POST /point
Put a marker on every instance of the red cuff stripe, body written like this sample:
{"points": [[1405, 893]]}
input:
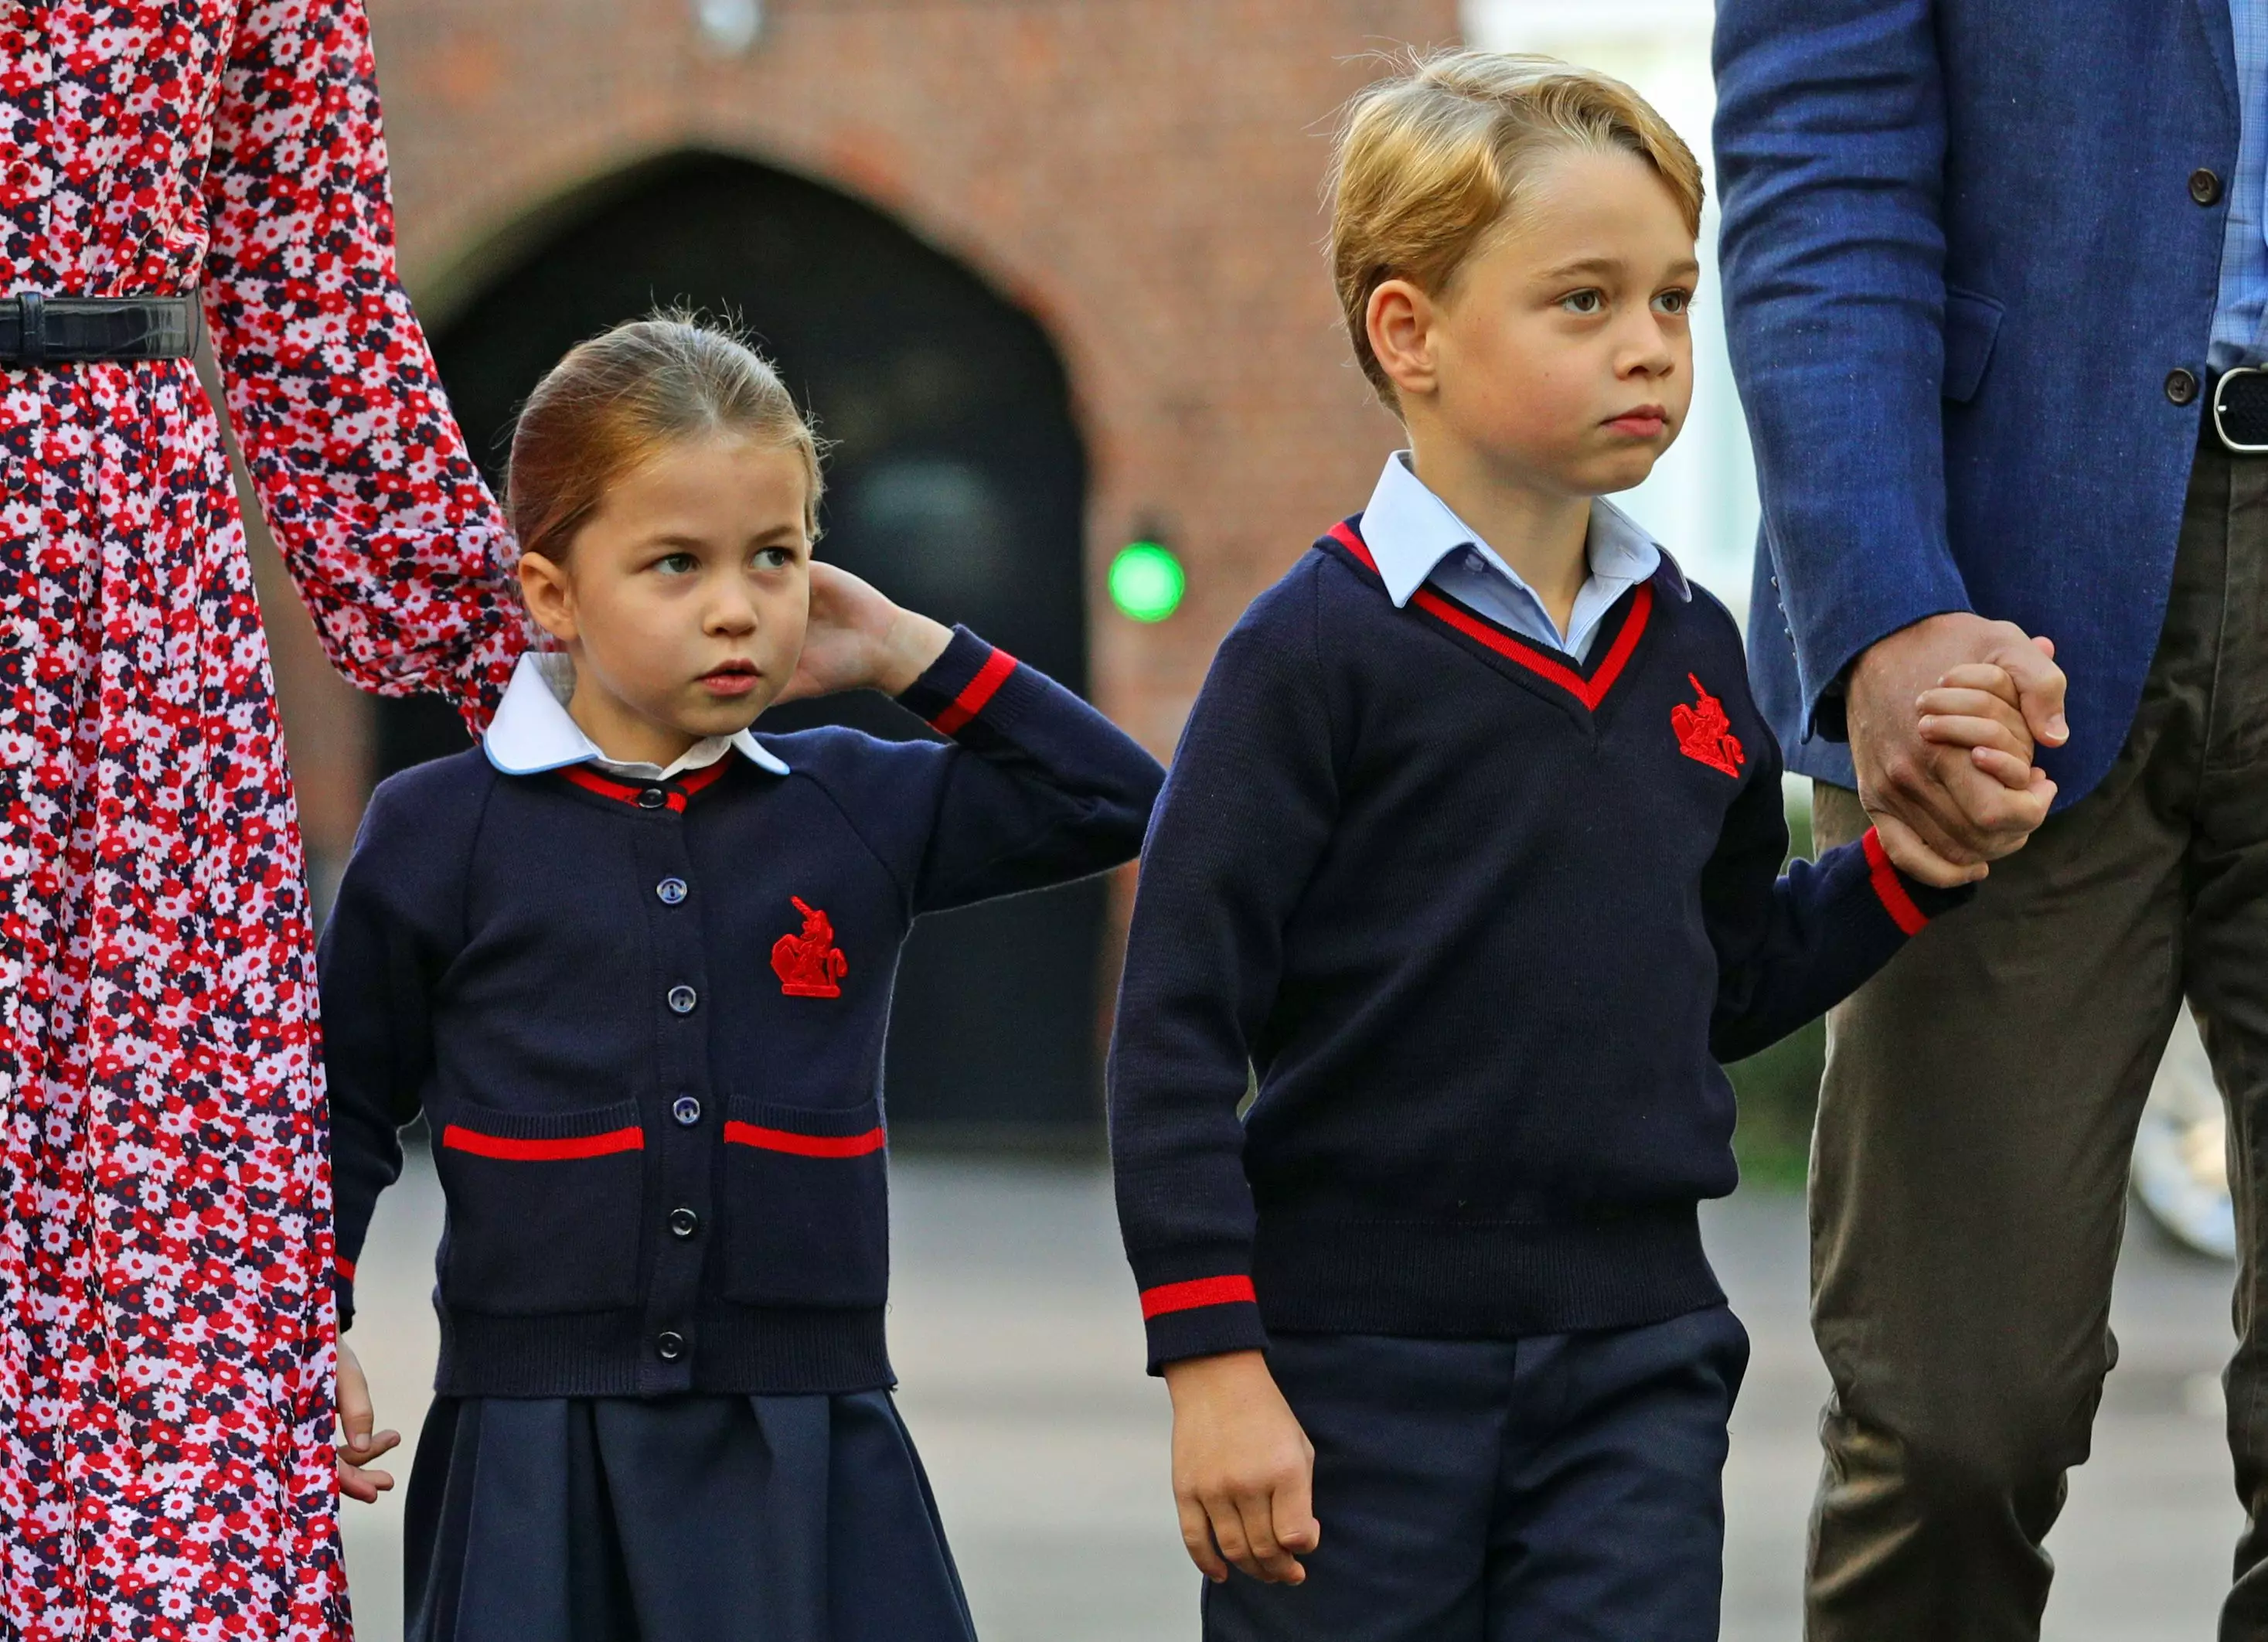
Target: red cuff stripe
{"points": [[345, 1266], [1172, 1297], [457, 1138], [977, 693], [1888, 890], [756, 1135]]}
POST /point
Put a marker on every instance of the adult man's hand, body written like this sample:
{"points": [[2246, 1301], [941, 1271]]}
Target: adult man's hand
{"points": [[1941, 817]]}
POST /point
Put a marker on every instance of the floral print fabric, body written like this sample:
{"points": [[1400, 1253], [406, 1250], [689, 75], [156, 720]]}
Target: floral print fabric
{"points": [[166, 1320]]}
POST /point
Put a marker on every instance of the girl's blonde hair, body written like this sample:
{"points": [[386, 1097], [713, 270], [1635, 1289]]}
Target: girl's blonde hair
{"points": [[618, 401], [1430, 163]]}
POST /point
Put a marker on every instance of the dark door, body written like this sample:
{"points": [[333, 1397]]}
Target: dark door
{"points": [[956, 484]]}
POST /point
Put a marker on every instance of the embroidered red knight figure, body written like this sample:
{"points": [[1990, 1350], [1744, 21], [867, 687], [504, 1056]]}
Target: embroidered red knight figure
{"points": [[809, 964], [1704, 734]]}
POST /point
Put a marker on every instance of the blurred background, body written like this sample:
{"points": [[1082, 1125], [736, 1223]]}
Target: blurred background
{"points": [[1050, 274]]}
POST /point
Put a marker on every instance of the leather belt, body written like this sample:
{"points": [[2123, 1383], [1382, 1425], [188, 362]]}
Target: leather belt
{"points": [[42, 330], [2239, 412]]}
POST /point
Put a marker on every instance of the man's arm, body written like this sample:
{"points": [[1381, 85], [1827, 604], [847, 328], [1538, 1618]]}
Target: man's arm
{"points": [[1831, 145]]}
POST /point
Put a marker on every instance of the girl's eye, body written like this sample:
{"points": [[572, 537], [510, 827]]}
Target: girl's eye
{"points": [[774, 558], [1584, 301], [677, 564], [1673, 301]]}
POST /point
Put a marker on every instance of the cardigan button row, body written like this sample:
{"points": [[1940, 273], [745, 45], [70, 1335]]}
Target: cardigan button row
{"points": [[682, 999], [669, 1345], [683, 1222], [652, 799], [671, 891], [685, 1110]]}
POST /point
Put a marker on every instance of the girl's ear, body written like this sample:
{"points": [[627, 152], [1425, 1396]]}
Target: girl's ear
{"points": [[549, 595]]}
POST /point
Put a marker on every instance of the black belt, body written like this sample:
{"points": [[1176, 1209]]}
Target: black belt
{"points": [[37, 330], [2237, 410]]}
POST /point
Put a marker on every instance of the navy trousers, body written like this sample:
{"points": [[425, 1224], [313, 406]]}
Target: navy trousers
{"points": [[1562, 1489]]}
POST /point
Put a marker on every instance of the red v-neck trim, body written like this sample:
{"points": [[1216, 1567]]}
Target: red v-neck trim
{"points": [[1590, 691]]}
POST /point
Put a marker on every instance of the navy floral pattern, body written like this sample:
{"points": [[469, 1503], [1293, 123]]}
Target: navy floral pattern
{"points": [[166, 1332]]}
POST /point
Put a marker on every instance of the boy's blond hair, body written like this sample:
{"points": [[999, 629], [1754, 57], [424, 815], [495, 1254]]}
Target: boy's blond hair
{"points": [[1432, 162]]}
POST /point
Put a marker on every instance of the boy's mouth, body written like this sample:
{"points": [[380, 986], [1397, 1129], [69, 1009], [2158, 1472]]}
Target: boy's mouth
{"points": [[1640, 422], [732, 677]]}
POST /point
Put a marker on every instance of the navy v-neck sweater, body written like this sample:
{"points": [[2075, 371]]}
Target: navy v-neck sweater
{"points": [[1483, 923], [644, 1022]]}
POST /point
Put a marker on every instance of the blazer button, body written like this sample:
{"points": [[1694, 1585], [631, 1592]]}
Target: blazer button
{"points": [[672, 890], [2181, 386], [683, 998], [683, 1222], [669, 1345], [652, 799], [2204, 187], [685, 1110]]}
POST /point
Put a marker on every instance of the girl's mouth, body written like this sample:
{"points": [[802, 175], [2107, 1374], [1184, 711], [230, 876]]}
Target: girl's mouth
{"points": [[734, 678]]}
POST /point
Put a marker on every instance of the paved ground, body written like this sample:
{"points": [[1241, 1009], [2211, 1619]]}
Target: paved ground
{"points": [[1016, 1336]]}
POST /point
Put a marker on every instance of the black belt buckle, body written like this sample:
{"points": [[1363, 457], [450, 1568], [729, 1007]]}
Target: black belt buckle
{"points": [[2240, 410]]}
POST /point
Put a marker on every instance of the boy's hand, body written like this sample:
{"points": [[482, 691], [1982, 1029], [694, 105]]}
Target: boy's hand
{"points": [[859, 640], [1243, 1471], [1977, 707], [358, 1446]]}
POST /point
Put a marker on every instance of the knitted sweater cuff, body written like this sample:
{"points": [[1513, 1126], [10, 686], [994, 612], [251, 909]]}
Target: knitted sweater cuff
{"points": [[1911, 903], [971, 682], [1202, 1316]]}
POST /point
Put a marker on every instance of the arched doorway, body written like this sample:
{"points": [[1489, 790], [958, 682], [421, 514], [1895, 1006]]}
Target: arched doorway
{"points": [[957, 483]]}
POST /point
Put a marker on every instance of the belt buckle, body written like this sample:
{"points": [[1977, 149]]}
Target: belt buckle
{"points": [[2229, 441]]}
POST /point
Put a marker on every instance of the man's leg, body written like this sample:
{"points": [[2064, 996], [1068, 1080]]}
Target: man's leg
{"points": [[1969, 1170]]}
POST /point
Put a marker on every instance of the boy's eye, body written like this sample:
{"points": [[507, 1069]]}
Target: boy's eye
{"points": [[1584, 301], [1673, 301]]}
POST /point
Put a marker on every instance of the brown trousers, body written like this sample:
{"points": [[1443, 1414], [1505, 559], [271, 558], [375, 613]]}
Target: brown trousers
{"points": [[1969, 1167]]}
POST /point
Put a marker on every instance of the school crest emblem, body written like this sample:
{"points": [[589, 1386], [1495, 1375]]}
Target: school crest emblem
{"points": [[808, 962], [1704, 735]]}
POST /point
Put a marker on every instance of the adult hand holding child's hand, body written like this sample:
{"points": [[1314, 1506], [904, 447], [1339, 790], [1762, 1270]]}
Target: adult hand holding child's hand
{"points": [[1948, 801], [1243, 1470]]}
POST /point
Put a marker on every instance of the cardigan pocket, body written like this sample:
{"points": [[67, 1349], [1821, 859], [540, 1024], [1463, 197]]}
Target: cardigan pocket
{"points": [[543, 1210], [807, 1205]]}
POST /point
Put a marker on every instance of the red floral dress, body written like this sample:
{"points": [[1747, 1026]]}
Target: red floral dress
{"points": [[166, 1321]]}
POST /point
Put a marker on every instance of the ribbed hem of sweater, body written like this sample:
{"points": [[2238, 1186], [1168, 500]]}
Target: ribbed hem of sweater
{"points": [[1480, 1280], [753, 1349]]}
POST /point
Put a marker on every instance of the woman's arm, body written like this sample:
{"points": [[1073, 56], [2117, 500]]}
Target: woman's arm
{"points": [[394, 542]]}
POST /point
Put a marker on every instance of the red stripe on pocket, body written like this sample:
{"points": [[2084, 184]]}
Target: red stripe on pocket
{"points": [[1888, 890], [739, 1134], [1172, 1297], [457, 1138], [974, 696]]}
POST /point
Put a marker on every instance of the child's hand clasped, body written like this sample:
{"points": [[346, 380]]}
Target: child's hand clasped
{"points": [[1977, 707], [359, 1445]]}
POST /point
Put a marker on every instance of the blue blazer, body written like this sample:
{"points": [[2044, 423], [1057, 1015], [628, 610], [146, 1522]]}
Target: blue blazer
{"points": [[1961, 260]]}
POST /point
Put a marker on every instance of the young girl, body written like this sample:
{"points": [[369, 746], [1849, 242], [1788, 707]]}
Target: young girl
{"points": [[633, 962]]}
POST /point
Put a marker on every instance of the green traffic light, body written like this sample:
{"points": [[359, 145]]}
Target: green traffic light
{"points": [[1146, 581]]}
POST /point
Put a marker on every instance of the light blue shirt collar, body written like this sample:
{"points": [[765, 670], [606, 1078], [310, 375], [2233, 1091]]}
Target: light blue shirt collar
{"points": [[1410, 532], [532, 731]]}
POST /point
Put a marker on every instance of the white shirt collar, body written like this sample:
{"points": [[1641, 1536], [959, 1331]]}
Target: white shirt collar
{"points": [[1408, 530], [532, 731]]}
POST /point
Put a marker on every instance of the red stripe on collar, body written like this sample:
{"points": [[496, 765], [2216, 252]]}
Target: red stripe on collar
{"points": [[674, 792], [1590, 691]]}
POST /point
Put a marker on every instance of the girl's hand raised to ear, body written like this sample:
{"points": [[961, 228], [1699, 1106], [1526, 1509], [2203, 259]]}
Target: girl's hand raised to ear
{"points": [[858, 640], [359, 1445]]}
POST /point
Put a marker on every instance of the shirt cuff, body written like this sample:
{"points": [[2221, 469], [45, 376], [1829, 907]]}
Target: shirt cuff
{"points": [[973, 683], [1911, 903]]}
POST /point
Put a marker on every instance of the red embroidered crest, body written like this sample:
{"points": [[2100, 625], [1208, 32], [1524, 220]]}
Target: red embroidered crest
{"points": [[1704, 735], [808, 964]]}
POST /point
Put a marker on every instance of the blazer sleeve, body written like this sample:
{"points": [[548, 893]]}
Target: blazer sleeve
{"points": [[1792, 944], [1831, 137], [396, 925], [1247, 814], [398, 550], [1036, 787]]}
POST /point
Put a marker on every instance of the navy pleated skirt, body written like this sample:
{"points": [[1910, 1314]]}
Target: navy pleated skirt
{"points": [[691, 1519]]}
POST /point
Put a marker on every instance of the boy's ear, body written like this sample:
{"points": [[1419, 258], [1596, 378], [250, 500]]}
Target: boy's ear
{"points": [[1399, 322], [550, 596]]}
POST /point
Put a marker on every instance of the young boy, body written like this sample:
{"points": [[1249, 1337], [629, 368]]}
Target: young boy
{"points": [[1471, 853]]}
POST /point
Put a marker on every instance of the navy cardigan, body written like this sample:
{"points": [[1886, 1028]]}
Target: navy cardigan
{"points": [[1483, 921], [645, 1024]]}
